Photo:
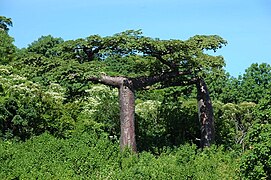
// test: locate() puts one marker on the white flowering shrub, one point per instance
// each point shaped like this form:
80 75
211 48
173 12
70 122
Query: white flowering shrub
27 109
56 92
148 109
149 126
101 105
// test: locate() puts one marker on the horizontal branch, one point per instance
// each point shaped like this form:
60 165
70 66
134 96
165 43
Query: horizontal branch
108 80
180 83
184 83
141 82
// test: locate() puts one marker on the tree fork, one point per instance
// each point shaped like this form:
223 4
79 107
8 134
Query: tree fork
206 116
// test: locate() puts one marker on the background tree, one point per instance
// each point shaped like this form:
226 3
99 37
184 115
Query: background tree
257 78
44 46
7 49
5 23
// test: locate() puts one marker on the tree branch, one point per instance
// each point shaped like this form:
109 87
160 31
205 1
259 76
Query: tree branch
184 83
108 80
187 82
163 61
141 82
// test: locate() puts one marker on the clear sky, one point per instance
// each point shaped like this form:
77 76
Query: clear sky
245 24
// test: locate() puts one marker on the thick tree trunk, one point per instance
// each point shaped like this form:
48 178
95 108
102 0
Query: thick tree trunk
127 111
206 117
127 108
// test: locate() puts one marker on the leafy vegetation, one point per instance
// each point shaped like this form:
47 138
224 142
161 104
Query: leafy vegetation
57 124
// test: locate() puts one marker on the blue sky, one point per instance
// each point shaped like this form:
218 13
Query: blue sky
245 24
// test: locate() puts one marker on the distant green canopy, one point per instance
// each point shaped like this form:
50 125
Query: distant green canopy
7 49
5 23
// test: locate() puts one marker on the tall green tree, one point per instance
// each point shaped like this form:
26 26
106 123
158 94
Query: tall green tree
252 86
44 46
256 79
7 49
5 23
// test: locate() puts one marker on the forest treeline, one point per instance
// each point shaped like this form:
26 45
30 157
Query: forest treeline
67 106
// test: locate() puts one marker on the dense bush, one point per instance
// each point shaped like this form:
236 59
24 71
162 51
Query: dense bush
46 157
256 161
88 156
232 122
101 98
27 109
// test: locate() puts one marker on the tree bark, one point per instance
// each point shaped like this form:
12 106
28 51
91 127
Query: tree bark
205 111
141 82
127 119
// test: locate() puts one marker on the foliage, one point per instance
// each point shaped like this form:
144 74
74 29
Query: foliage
217 80
256 161
27 109
44 46
131 53
231 90
46 157
103 99
257 78
252 86
232 122
5 23
263 110
7 49
88 156
166 123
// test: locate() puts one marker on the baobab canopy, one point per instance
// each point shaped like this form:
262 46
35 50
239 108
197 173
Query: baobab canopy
170 62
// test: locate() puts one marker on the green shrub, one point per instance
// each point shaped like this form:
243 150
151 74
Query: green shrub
171 122
46 157
92 156
27 108
232 122
256 161
101 105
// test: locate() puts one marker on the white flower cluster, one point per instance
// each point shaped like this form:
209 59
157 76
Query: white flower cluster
13 83
147 108
18 84
91 106
25 88
56 92
96 96
17 78
102 90
5 70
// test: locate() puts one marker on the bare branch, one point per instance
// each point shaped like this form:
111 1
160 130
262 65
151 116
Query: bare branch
108 80
141 82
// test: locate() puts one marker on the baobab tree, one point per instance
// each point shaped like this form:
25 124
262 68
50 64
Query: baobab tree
175 61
